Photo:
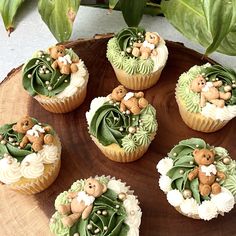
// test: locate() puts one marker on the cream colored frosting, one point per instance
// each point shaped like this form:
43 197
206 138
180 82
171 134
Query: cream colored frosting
117 186
217 113
9 170
49 154
162 55
78 79
32 166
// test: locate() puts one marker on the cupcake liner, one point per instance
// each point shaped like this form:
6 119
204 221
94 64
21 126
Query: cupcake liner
33 186
137 81
196 216
199 122
115 153
67 104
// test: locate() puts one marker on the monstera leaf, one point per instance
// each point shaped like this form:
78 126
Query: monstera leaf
59 16
8 10
210 23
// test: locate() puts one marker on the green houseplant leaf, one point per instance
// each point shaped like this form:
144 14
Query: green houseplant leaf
198 21
132 11
59 15
8 9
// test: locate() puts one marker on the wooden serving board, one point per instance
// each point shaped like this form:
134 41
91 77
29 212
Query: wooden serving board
29 215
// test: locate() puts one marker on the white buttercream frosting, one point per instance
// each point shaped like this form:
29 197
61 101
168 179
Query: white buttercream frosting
162 55
207 210
165 183
9 170
117 186
77 80
164 165
94 106
49 154
175 197
32 166
189 206
224 200
216 113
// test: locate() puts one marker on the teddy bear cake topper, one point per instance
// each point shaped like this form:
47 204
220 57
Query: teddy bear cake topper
210 92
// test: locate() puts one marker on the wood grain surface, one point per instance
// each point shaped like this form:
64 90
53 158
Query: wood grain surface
29 215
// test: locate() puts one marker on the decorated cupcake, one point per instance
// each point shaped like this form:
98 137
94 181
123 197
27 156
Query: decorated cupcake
29 155
137 57
206 96
199 180
122 124
56 78
96 206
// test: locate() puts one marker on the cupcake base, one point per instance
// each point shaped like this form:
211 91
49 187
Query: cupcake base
64 105
199 122
115 153
137 81
195 217
36 185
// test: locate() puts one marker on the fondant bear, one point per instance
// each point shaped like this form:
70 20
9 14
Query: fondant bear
146 48
206 172
33 133
64 62
129 101
209 91
81 202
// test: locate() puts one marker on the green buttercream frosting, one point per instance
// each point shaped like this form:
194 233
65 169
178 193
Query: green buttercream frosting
142 138
12 140
129 143
145 66
40 78
182 155
119 52
131 65
57 227
109 125
112 224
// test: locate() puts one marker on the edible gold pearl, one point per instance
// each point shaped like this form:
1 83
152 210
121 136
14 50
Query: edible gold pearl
191 162
89 226
99 212
226 160
96 231
127 112
187 193
76 234
132 129
197 145
104 213
122 196
66 80
48 59
181 171
175 154
128 50
29 76
122 53
117 206
105 228
217 179
49 88
121 129
47 82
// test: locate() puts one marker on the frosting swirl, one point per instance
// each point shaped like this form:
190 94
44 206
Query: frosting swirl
32 166
49 154
10 170
145 66
131 65
129 143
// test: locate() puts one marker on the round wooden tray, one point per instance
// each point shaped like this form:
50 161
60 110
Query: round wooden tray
29 215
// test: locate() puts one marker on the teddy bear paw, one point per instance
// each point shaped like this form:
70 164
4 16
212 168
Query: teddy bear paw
48 139
215 188
66 221
205 190
37 147
74 68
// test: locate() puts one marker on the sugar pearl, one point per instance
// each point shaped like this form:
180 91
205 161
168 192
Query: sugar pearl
29 76
89 226
104 213
49 88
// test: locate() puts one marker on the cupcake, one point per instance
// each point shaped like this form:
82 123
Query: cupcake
137 57
199 180
56 78
96 206
29 155
206 96
122 124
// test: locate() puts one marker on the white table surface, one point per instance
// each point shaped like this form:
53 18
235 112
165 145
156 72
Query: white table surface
32 34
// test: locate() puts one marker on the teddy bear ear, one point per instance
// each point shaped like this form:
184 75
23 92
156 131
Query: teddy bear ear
213 151
195 152
104 188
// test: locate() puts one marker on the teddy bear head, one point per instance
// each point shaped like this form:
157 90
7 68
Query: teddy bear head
23 125
94 188
204 156
198 84
57 51
152 38
118 93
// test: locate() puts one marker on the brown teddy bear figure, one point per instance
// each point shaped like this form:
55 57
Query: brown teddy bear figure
64 62
81 202
34 134
146 48
129 102
206 172
209 91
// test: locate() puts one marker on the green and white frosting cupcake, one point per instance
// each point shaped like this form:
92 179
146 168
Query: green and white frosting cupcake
121 53
186 195
221 108
114 212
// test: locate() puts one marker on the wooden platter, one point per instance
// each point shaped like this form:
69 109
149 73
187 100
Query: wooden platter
29 215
